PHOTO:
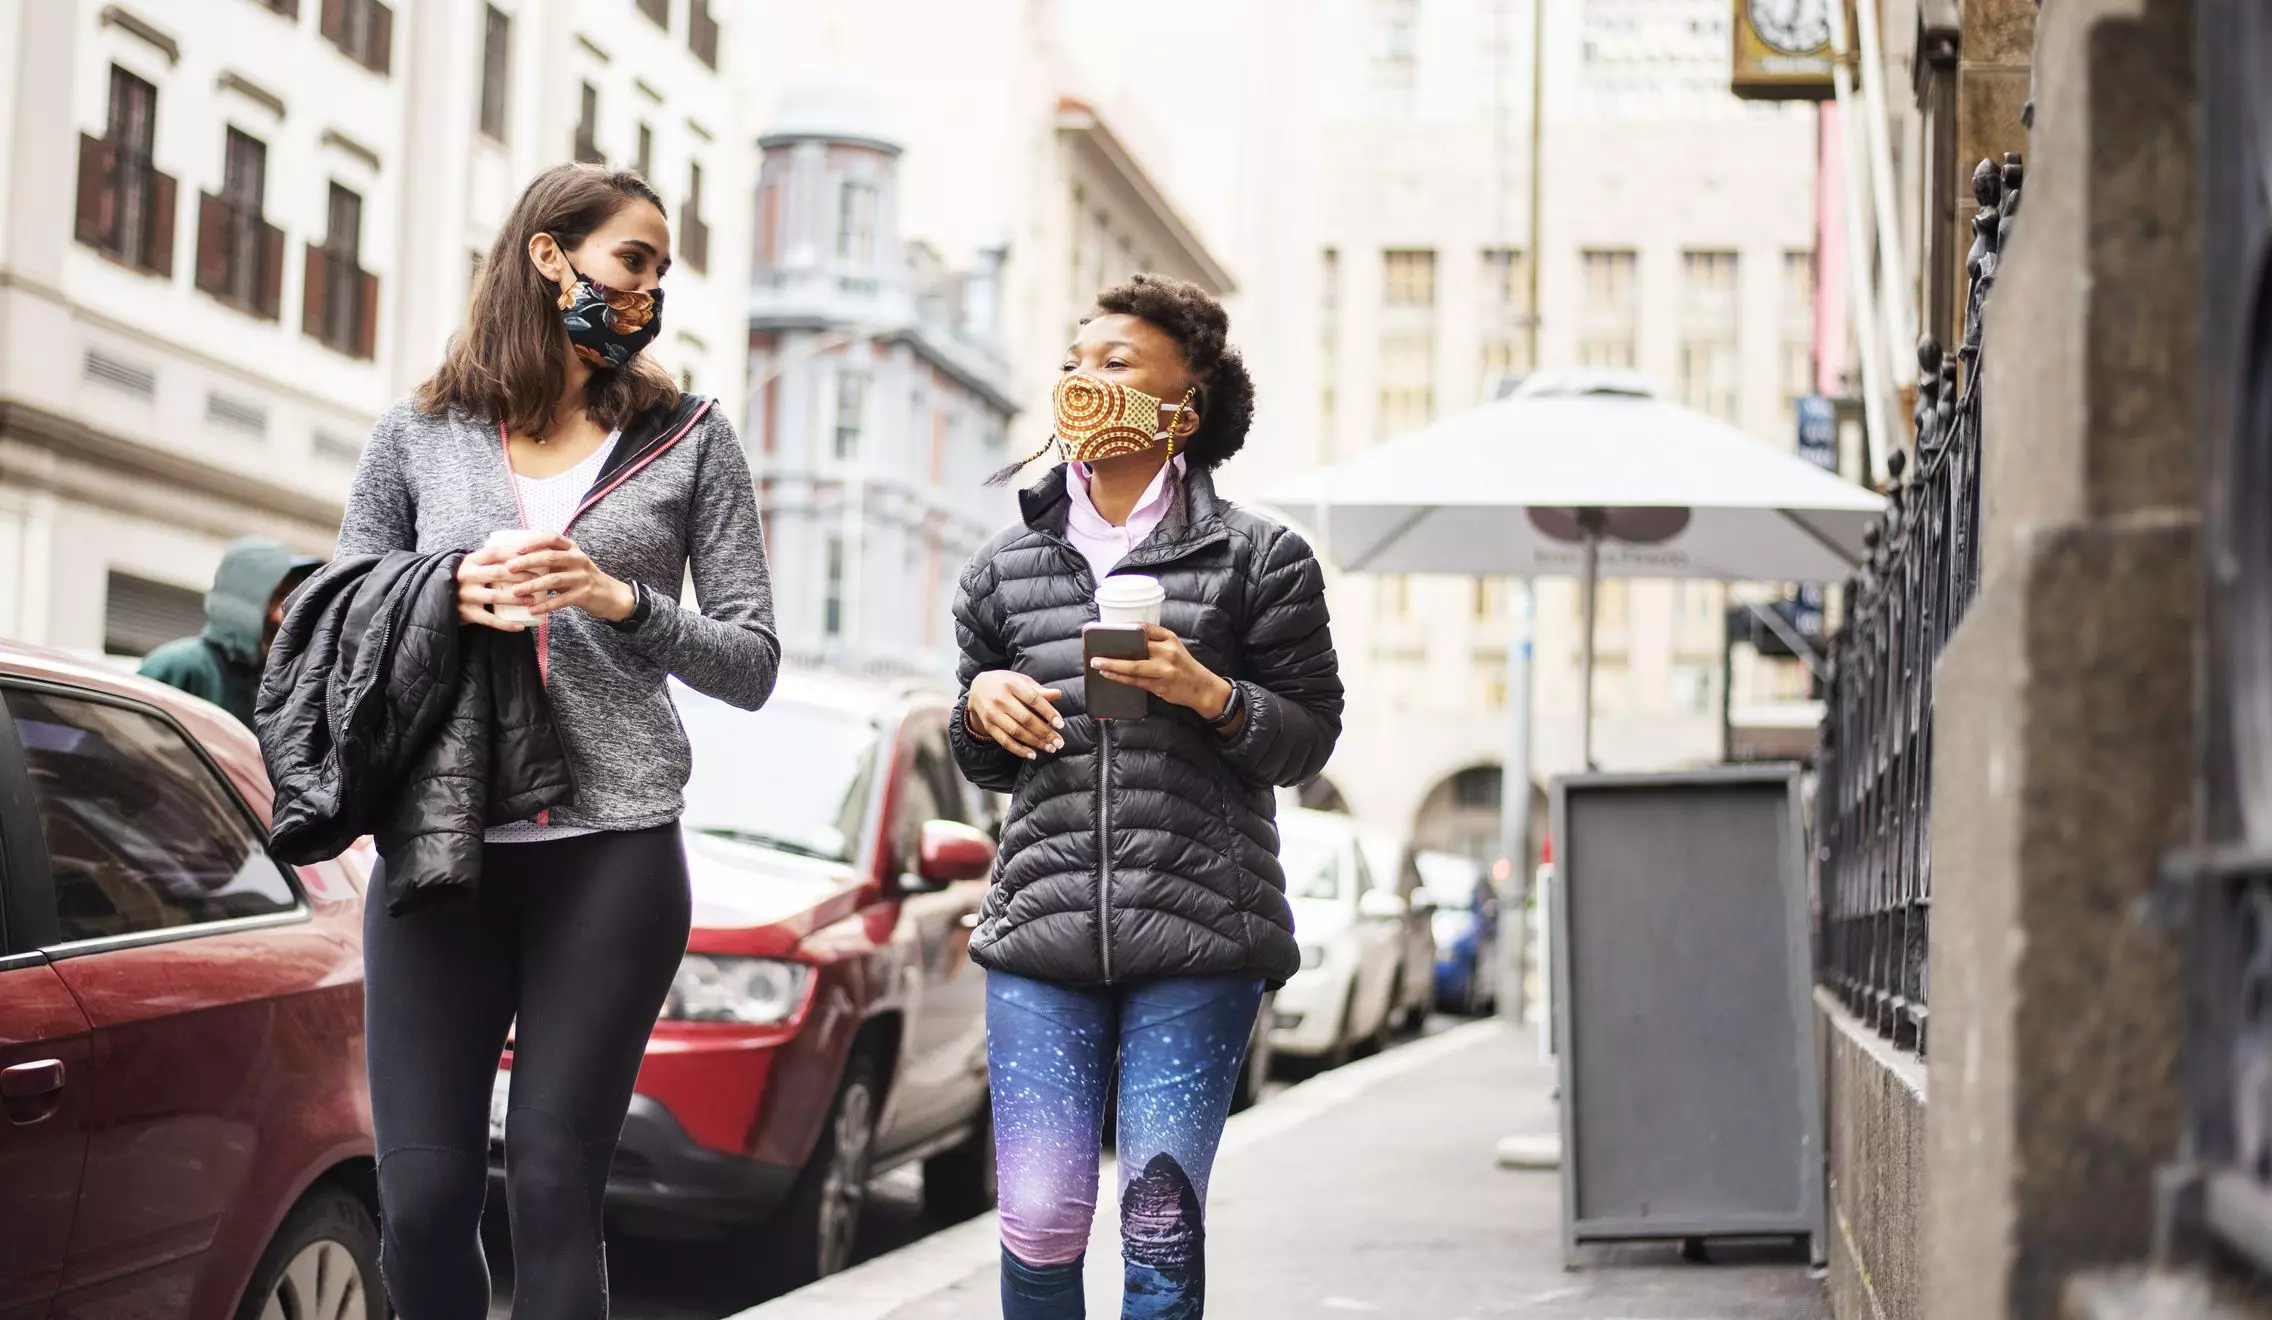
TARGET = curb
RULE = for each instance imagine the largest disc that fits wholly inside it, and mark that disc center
(873, 1290)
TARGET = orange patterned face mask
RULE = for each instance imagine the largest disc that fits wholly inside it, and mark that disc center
(1100, 419)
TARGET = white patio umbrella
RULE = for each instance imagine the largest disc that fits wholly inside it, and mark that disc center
(1584, 474)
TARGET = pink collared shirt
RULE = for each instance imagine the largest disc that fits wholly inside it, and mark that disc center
(1101, 543)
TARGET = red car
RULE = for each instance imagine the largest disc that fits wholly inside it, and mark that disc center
(184, 1126)
(827, 1024)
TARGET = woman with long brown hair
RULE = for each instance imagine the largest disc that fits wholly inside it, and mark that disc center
(585, 488)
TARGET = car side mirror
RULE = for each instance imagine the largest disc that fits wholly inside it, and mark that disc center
(949, 851)
(1381, 905)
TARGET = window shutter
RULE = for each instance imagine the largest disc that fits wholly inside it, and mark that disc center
(95, 196)
(311, 294)
(382, 38)
(212, 244)
(271, 271)
(162, 217)
(367, 330)
(331, 22)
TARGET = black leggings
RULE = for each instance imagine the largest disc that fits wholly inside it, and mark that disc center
(577, 940)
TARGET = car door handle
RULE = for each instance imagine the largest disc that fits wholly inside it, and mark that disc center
(30, 1092)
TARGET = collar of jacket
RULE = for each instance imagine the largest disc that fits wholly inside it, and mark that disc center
(648, 432)
(1195, 512)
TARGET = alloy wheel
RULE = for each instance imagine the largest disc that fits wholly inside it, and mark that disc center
(323, 1282)
(844, 1187)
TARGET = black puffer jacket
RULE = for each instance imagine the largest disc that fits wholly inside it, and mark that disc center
(380, 713)
(1149, 847)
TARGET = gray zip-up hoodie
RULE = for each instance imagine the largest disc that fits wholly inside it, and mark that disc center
(675, 496)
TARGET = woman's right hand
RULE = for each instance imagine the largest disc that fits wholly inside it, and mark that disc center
(481, 577)
(1014, 711)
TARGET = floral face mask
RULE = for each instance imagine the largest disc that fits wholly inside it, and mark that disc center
(608, 326)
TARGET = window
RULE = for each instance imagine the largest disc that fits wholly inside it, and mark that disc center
(1798, 334)
(587, 145)
(141, 834)
(693, 230)
(1610, 327)
(658, 12)
(1477, 788)
(931, 790)
(240, 257)
(362, 29)
(1609, 604)
(1708, 286)
(1692, 688)
(1490, 598)
(856, 206)
(851, 411)
(126, 208)
(1506, 328)
(341, 298)
(1411, 277)
(832, 602)
(643, 161)
(1709, 376)
(702, 32)
(496, 71)
(1408, 382)
(1395, 56)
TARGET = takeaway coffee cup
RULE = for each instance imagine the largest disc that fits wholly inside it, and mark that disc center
(1128, 598)
(512, 540)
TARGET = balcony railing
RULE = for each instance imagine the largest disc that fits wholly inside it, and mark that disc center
(1873, 816)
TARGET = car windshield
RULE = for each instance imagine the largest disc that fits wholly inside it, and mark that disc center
(1311, 857)
(1449, 880)
(793, 776)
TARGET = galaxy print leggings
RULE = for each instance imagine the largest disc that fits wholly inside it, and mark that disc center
(1050, 1051)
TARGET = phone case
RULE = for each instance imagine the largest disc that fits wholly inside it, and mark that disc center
(1109, 698)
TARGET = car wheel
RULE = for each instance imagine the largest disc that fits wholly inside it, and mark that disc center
(323, 1264)
(1344, 1031)
(822, 1222)
(960, 1184)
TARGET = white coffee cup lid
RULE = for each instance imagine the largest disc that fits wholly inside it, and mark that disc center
(1130, 590)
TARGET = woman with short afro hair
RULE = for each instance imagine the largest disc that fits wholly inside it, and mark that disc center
(1138, 909)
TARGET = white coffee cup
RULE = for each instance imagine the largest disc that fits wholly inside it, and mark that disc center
(1130, 598)
(512, 540)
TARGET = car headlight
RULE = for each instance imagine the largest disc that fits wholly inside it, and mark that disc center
(753, 991)
(1313, 957)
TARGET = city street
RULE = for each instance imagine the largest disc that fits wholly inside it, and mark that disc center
(704, 1281)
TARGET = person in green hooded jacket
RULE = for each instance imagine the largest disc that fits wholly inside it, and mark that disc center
(242, 612)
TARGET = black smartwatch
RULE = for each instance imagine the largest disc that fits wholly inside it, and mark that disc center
(1232, 709)
(641, 608)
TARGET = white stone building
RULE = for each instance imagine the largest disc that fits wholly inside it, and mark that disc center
(1678, 237)
(879, 397)
(234, 230)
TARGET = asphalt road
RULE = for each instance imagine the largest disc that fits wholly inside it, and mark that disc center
(707, 1281)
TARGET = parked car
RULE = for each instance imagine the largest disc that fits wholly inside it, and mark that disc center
(1392, 865)
(1351, 933)
(827, 1024)
(187, 1131)
(1466, 921)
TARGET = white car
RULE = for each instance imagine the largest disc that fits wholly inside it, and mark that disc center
(1394, 866)
(1352, 933)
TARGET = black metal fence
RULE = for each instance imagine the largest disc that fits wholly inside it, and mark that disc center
(1873, 805)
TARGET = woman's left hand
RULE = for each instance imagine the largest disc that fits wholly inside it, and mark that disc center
(560, 575)
(1172, 674)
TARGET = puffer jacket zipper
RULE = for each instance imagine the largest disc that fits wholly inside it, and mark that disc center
(1104, 846)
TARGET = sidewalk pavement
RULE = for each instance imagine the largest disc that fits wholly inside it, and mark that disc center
(1367, 1191)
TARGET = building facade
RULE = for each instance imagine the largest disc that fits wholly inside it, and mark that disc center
(1678, 237)
(236, 230)
(879, 399)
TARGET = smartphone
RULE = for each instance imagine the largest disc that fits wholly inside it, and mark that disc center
(1109, 698)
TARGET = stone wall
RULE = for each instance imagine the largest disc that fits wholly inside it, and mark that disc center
(1874, 1135)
